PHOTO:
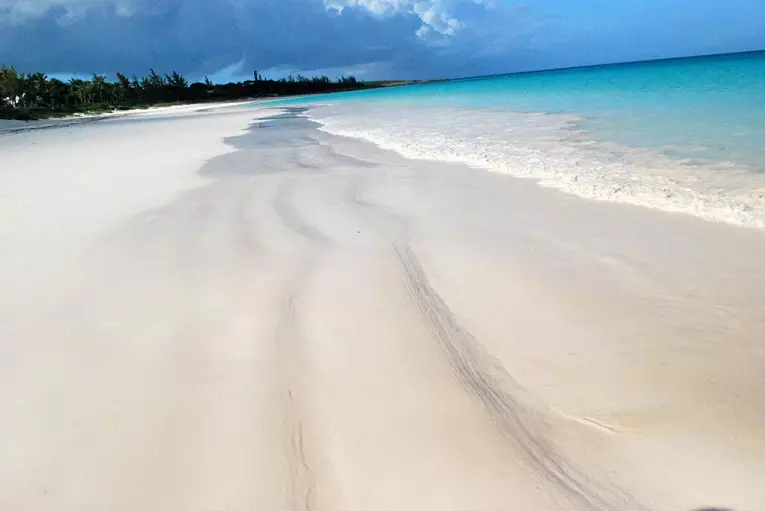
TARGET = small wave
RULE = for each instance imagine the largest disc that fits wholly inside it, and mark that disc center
(556, 151)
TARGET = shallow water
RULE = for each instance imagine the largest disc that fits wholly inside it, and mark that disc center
(681, 135)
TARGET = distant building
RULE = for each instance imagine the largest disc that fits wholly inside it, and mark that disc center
(13, 101)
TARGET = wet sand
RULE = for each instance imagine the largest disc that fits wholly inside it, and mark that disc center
(294, 320)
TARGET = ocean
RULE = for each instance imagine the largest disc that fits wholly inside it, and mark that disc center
(681, 135)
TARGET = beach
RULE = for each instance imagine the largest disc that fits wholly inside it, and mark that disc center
(236, 309)
(15, 126)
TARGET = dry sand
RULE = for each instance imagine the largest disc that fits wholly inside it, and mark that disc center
(13, 126)
(297, 321)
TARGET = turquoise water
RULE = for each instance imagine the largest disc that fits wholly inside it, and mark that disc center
(705, 113)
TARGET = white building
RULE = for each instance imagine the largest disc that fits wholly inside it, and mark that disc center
(12, 101)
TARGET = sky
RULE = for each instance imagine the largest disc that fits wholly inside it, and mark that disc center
(373, 39)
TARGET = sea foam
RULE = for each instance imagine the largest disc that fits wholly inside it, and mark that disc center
(558, 152)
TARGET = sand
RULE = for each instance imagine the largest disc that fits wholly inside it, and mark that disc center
(14, 126)
(196, 316)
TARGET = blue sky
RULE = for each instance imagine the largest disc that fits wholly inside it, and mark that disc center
(370, 38)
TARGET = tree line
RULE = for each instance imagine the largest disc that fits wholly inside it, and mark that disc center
(34, 95)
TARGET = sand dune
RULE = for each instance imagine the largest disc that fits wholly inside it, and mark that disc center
(294, 320)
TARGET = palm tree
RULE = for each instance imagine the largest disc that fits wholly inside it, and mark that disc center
(37, 87)
(22, 88)
(99, 87)
(59, 94)
(80, 91)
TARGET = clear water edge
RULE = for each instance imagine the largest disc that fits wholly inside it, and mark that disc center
(686, 135)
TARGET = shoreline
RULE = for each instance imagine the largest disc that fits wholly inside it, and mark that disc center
(732, 196)
(12, 126)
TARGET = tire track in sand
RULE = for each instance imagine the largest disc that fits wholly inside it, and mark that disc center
(484, 377)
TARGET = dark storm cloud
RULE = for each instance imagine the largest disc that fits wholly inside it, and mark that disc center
(389, 38)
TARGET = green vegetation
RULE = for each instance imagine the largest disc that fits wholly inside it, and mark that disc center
(35, 96)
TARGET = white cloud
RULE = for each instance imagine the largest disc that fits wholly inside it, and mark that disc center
(434, 14)
(20, 11)
(379, 7)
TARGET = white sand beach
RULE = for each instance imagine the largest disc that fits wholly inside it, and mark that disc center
(13, 126)
(198, 316)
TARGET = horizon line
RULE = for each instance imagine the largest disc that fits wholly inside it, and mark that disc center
(586, 66)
